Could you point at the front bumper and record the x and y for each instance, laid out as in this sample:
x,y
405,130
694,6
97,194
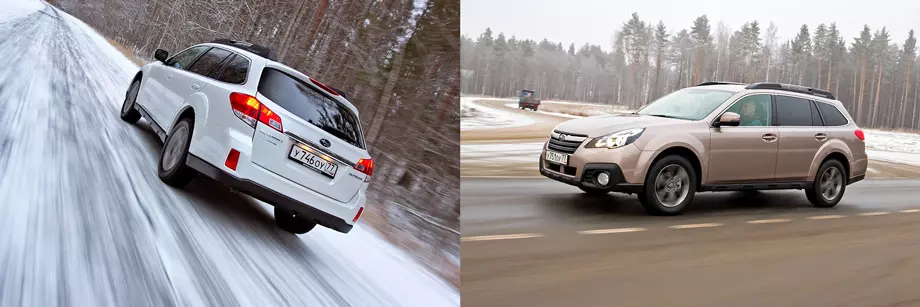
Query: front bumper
x,y
268,195
588,175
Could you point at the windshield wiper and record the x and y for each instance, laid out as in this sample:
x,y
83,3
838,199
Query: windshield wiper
x,y
665,116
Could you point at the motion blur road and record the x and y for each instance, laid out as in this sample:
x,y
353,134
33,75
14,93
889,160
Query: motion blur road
x,y
536,242
86,222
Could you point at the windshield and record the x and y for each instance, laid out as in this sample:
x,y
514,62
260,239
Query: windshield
x,y
688,103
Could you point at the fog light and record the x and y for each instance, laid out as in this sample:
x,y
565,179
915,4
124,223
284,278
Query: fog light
x,y
603,178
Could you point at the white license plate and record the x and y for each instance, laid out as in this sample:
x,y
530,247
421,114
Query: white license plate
x,y
313,162
556,157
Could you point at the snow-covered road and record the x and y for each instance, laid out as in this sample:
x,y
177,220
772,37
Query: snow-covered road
x,y
86,222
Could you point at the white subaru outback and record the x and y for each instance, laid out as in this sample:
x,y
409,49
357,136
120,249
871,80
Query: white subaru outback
x,y
230,111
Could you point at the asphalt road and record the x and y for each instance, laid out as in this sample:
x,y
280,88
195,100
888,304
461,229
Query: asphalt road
x,y
535,242
86,222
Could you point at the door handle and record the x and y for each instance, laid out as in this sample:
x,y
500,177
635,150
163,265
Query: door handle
x,y
196,86
169,76
820,136
769,137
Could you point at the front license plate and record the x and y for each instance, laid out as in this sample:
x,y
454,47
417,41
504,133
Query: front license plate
x,y
313,161
558,158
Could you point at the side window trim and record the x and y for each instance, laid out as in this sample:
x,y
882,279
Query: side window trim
x,y
730,105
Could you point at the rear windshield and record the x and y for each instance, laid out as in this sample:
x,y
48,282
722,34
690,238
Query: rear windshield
x,y
299,98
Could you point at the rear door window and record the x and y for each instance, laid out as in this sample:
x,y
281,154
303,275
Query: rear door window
x,y
183,59
815,116
309,104
234,70
209,61
792,111
832,116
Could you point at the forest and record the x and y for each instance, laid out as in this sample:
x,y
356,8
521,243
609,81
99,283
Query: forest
x,y
871,74
397,61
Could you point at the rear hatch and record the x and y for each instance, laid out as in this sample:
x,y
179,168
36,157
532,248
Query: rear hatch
x,y
319,142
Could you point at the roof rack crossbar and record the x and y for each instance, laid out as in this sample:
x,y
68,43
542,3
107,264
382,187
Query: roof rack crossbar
x,y
257,49
720,83
791,88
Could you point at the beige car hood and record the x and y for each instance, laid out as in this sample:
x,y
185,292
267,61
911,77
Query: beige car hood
x,y
596,126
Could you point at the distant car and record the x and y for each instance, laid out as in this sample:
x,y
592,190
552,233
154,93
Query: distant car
x,y
230,111
527,100
716,136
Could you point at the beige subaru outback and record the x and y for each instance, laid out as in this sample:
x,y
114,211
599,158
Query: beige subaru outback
x,y
716,136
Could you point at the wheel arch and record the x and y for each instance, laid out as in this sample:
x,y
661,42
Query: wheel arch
x,y
686,153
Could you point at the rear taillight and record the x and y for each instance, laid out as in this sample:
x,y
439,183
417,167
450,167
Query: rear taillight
x,y
357,216
245,107
269,118
860,135
324,87
250,110
365,166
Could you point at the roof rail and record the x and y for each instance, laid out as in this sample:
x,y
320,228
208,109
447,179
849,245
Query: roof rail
x,y
791,88
259,50
719,83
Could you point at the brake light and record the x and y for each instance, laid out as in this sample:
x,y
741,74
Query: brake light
x,y
360,210
365,166
324,87
269,118
860,135
245,107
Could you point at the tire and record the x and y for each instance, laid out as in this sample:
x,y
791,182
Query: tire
x,y
286,220
594,192
677,194
128,113
174,172
829,186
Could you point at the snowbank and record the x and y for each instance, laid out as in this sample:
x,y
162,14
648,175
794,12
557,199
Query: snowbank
x,y
477,116
498,152
892,141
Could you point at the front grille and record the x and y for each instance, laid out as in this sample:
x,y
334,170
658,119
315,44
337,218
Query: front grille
x,y
568,144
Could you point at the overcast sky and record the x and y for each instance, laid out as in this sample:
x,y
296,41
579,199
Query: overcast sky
x,y
594,21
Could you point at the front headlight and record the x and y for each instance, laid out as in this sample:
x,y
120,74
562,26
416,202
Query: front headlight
x,y
616,140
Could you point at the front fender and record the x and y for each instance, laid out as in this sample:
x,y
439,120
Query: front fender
x,y
692,140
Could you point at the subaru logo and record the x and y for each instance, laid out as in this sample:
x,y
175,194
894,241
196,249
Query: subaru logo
x,y
325,142
562,137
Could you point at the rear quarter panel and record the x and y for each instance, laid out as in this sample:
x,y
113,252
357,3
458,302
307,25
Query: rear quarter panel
x,y
843,140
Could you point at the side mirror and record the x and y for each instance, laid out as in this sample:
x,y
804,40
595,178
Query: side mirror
x,y
729,119
161,55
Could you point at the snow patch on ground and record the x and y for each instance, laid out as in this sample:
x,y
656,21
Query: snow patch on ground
x,y
497,152
892,141
515,106
394,273
19,8
478,116
894,157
